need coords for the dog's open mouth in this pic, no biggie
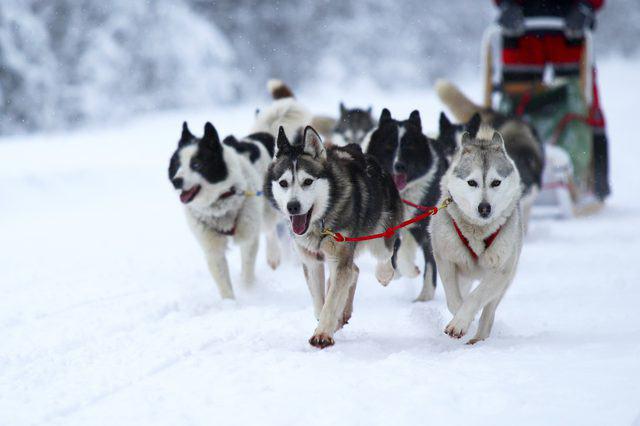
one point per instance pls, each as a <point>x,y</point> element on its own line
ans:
<point>400,179</point>
<point>188,196</point>
<point>300,222</point>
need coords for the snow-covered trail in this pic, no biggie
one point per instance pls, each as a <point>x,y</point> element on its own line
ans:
<point>108,315</point>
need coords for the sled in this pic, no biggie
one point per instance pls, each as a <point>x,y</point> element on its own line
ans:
<point>558,110</point>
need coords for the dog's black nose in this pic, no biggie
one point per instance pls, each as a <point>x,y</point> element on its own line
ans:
<point>293,207</point>
<point>177,183</point>
<point>484,209</point>
<point>400,167</point>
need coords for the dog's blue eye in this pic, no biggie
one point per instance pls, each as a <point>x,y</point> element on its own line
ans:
<point>307,182</point>
<point>283,183</point>
<point>196,165</point>
<point>495,183</point>
<point>472,183</point>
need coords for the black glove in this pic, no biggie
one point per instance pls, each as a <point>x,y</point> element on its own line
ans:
<point>511,18</point>
<point>580,17</point>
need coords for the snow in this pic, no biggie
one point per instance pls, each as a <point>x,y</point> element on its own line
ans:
<point>109,316</point>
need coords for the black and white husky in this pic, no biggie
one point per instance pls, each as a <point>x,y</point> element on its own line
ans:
<point>479,236</point>
<point>417,163</point>
<point>343,190</point>
<point>219,183</point>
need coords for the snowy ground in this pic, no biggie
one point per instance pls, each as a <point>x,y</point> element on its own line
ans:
<point>108,315</point>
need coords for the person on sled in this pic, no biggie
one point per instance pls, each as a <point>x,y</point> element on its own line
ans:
<point>526,53</point>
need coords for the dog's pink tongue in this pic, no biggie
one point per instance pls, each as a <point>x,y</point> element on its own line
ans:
<point>299,223</point>
<point>400,180</point>
<point>187,196</point>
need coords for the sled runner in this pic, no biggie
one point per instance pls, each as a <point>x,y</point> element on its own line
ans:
<point>559,109</point>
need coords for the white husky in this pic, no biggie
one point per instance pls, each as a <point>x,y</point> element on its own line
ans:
<point>479,236</point>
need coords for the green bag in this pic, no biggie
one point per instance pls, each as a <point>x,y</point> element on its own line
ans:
<point>559,115</point>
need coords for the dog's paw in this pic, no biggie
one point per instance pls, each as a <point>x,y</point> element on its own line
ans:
<point>428,292</point>
<point>273,259</point>
<point>384,273</point>
<point>475,340</point>
<point>457,328</point>
<point>321,340</point>
<point>248,279</point>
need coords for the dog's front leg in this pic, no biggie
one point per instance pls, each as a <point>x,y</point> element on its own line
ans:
<point>248,252</point>
<point>449,276</point>
<point>214,248</point>
<point>273,248</point>
<point>343,276</point>
<point>490,288</point>
<point>430,273</point>
<point>314,275</point>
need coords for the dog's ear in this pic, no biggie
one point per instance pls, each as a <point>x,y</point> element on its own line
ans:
<point>343,109</point>
<point>445,123</point>
<point>313,144</point>
<point>497,140</point>
<point>473,125</point>
<point>186,135</point>
<point>369,110</point>
<point>282,142</point>
<point>211,134</point>
<point>384,116</point>
<point>414,118</point>
<point>465,140</point>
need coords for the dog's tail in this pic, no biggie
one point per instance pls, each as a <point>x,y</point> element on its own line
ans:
<point>460,105</point>
<point>278,89</point>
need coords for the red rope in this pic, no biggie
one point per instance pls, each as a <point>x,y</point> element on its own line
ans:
<point>389,232</point>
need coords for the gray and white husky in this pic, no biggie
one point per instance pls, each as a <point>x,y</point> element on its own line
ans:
<point>343,190</point>
<point>479,236</point>
<point>218,183</point>
<point>522,143</point>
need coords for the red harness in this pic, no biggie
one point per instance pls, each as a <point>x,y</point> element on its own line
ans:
<point>487,241</point>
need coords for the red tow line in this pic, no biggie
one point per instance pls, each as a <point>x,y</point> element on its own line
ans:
<point>389,232</point>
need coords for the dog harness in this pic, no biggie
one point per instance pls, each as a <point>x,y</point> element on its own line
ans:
<point>487,241</point>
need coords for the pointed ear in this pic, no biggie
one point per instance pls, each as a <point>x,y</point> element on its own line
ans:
<point>282,142</point>
<point>414,118</point>
<point>473,125</point>
<point>343,109</point>
<point>313,144</point>
<point>384,116</point>
<point>497,140</point>
<point>369,110</point>
<point>186,135</point>
<point>444,123</point>
<point>466,139</point>
<point>210,134</point>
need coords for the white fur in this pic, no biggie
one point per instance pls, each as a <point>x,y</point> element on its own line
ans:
<point>496,265</point>
<point>286,112</point>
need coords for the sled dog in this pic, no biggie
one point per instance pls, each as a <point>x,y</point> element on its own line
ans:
<point>417,163</point>
<point>353,125</point>
<point>219,184</point>
<point>521,141</point>
<point>479,236</point>
<point>342,190</point>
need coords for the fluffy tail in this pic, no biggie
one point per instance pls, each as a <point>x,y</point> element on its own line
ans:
<point>462,107</point>
<point>278,89</point>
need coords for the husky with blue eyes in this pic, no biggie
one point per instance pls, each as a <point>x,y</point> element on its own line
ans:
<point>479,236</point>
<point>343,190</point>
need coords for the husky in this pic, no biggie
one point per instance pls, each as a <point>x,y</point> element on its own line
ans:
<point>342,190</point>
<point>285,111</point>
<point>521,141</point>
<point>479,236</point>
<point>417,163</point>
<point>353,125</point>
<point>219,184</point>
<point>450,134</point>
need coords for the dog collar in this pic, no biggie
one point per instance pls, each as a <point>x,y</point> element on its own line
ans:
<point>487,241</point>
